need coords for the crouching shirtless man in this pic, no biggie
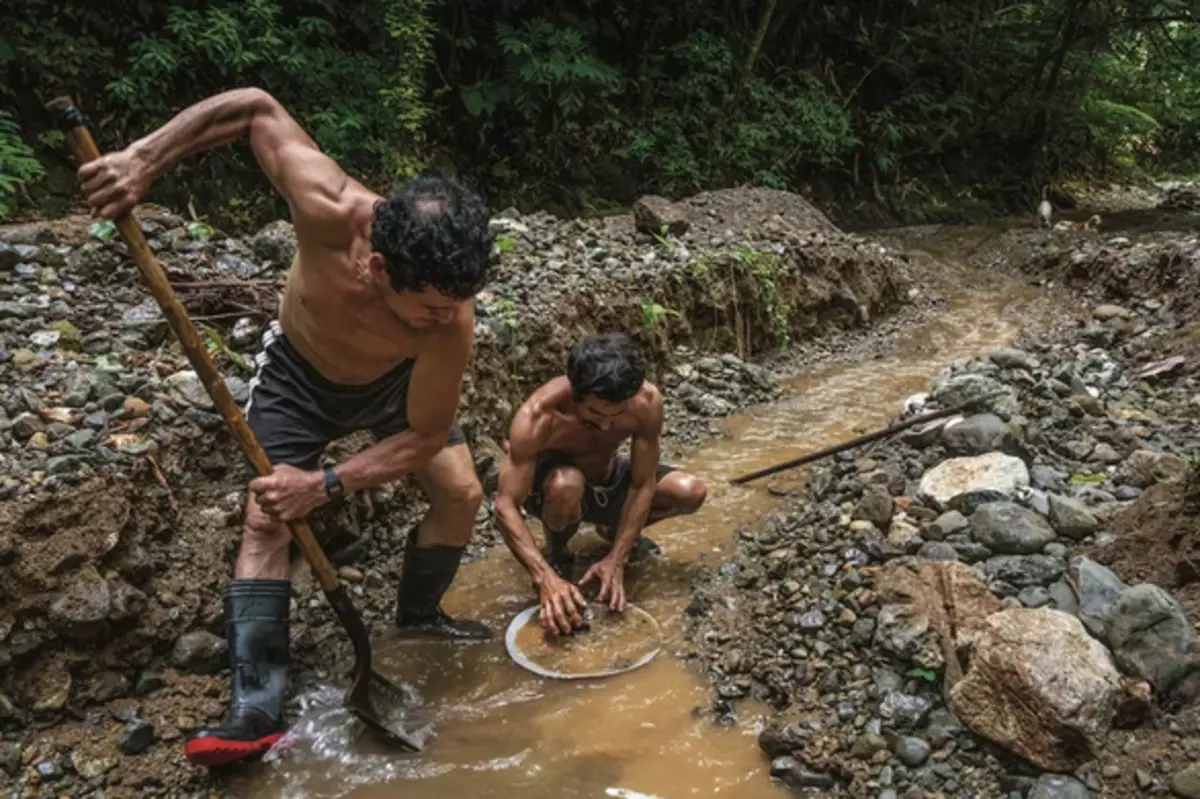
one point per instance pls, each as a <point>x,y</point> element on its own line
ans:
<point>375,329</point>
<point>562,467</point>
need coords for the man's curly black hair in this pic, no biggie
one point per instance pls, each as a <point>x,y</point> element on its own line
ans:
<point>434,232</point>
<point>608,366</point>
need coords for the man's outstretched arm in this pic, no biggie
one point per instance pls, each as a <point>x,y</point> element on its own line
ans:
<point>311,182</point>
<point>561,601</point>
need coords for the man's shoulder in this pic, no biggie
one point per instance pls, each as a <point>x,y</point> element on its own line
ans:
<point>351,215</point>
<point>534,420</point>
<point>648,406</point>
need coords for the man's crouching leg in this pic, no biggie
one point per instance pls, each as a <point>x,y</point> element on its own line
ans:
<point>677,493</point>
<point>256,630</point>
<point>435,546</point>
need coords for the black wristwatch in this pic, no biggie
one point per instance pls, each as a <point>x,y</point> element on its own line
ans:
<point>333,483</point>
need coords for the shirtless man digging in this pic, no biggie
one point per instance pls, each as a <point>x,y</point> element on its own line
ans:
<point>375,330</point>
<point>562,467</point>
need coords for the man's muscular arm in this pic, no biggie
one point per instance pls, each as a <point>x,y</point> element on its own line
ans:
<point>314,186</point>
<point>644,466</point>
<point>560,600</point>
<point>515,485</point>
<point>433,394</point>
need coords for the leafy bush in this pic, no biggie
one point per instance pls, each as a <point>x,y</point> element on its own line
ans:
<point>18,165</point>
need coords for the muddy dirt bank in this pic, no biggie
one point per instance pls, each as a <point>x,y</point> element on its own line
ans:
<point>121,496</point>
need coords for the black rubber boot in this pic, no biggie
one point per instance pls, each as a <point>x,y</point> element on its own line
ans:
<point>427,574</point>
<point>643,547</point>
<point>557,555</point>
<point>256,629</point>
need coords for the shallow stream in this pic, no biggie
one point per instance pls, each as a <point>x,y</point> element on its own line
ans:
<point>505,732</point>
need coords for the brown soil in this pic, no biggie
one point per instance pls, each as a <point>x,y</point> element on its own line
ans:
<point>1158,541</point>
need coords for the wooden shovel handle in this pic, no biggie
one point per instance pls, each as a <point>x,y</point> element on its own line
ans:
<point>70,120</point>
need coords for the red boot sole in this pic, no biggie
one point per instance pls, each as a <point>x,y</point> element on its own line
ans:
<point>218,751</point>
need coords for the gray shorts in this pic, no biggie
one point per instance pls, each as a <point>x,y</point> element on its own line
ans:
<point>602,502</point>
<point>295,412</point>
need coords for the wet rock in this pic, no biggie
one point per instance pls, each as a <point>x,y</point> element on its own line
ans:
<point>276,243</point>
<point>1186,782</point>
<point>1009,529</point>
<point>10,758</point>
<point>136,737</point>
<point>1020,571</point>
<point>947,524</point>
<point>1143,468</point>
<point>654,214</point>
<point>81,611</point>
<point>49,771</point>
<point>937,551</point>
<point>1012,359</point>
<point>976,435</point>
<point>199,652</point>
<point>1071,519</point>
<point>148,682</point>
<point>1152,639</point>
<point>245,333</point>
<point>1106,312</point>
<point>127,602</point>
<point>912,751</point>
<point>867,745</point>
<point>963,483</point>
<point>904,711</point>
<point>876,507</point>
<point>9,257</point>
<point>187,387</point>
<point>963,388</point>
<point>1039,686</point>
<point>1099,590</point>
<point>1059,786</point>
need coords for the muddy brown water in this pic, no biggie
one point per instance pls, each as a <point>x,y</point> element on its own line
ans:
<point>501,731</point>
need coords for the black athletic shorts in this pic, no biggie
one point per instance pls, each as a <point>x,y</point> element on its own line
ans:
<point>295,412</point>
<point>602,503</point>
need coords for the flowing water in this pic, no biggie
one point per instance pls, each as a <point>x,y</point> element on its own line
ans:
<point>501,731</point>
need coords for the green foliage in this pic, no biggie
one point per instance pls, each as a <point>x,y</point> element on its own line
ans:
<point>352,73</point>
<point>102,230</point>
<point>652,311</point>
<point>784,122</point>
<point>764,268</point>
<point>18,165</point>
<point>928,675</point>
<point>582,104</point>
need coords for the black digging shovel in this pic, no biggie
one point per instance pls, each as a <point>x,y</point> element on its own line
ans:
<point>375,700</point>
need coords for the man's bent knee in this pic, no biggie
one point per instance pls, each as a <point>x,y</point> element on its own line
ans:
<point>563,505</point>
<point>682,493</point>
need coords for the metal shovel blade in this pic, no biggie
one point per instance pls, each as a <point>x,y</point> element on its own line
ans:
<point>378,703</point>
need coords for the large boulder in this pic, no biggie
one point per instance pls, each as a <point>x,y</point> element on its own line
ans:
<point>656,215</point>
<point>921,598</point>
<point>1152,639</point>
<point>1039,686</point>
<point>965,483</point>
